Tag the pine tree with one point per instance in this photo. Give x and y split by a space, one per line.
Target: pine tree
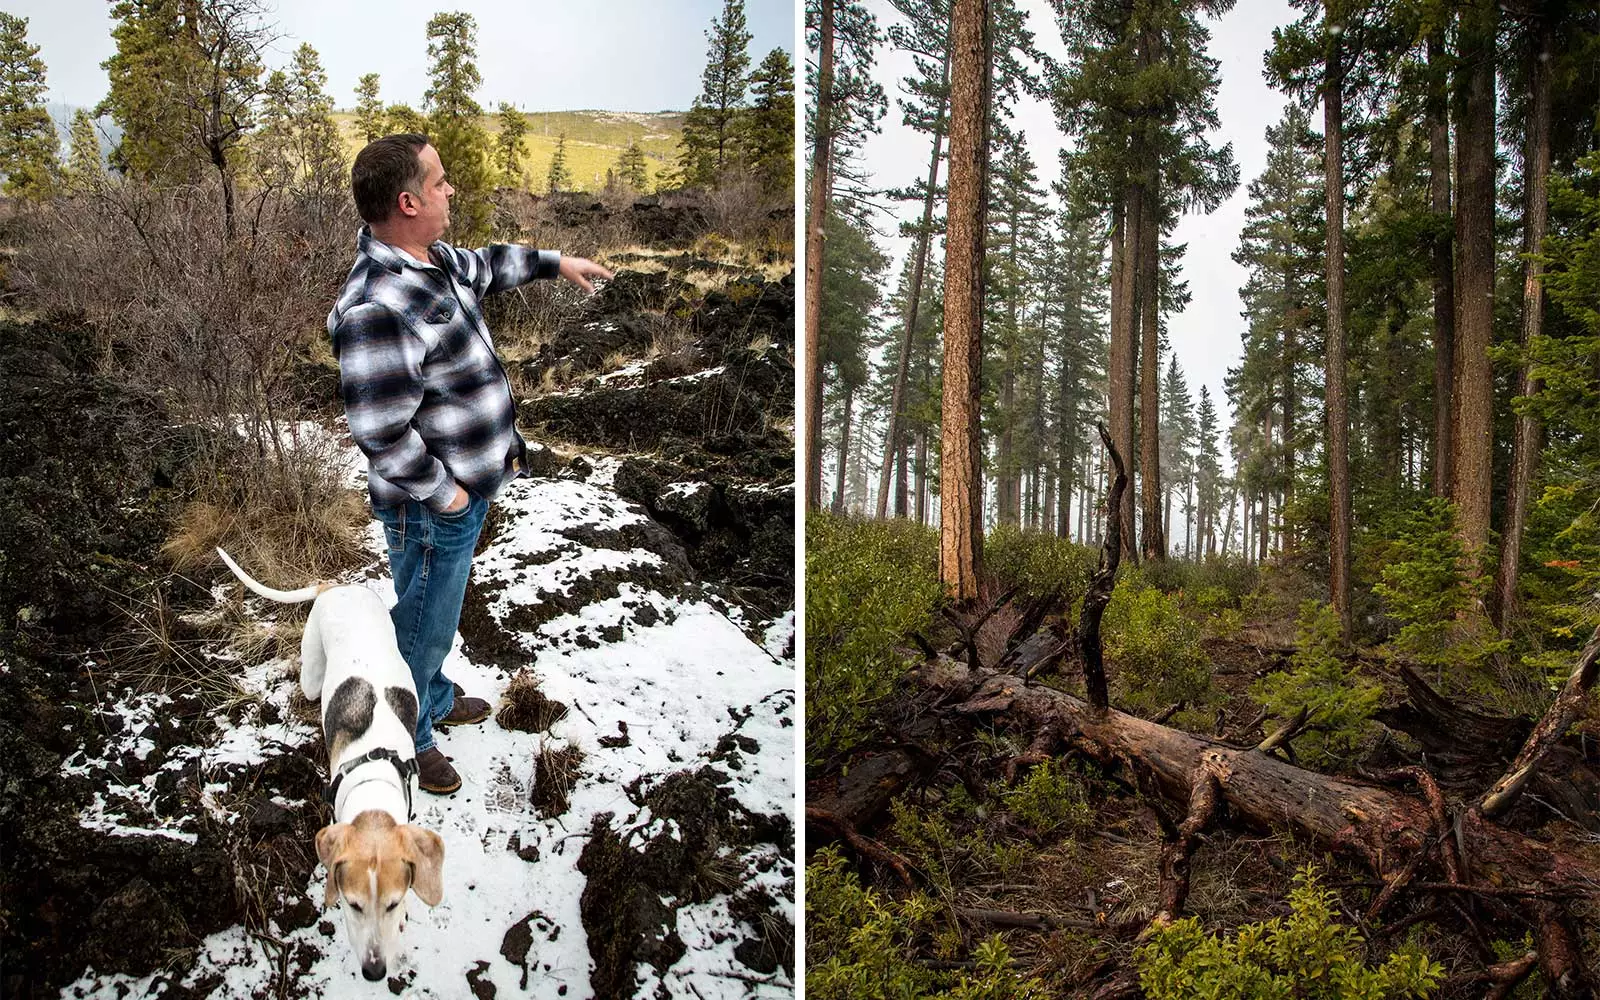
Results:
844 108
299 145
560 177
961 473
1208 475
709 130
631 169
768 134
184 84
1138 91
1177 443
403 118
371 121
86 168
28 142
508 144
453 123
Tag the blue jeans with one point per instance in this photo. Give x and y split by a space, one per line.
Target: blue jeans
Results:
430 556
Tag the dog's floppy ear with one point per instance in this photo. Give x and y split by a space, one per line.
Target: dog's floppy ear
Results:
330 844
425 853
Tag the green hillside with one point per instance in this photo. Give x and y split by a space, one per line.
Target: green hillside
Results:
594 141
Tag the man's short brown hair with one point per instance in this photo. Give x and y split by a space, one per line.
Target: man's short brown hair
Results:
383 169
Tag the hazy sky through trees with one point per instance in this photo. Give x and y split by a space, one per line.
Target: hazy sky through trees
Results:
1206 335
623 55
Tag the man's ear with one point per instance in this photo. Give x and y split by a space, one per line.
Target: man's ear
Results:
408 203
330 845
425 853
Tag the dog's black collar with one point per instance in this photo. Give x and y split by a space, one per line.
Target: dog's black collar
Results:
406 766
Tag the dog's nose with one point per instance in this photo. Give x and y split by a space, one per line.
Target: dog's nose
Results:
373 971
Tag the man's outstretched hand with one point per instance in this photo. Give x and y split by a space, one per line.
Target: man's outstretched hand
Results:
578 271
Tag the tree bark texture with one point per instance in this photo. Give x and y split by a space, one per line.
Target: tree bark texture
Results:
1475 191
817 210
1444 293
1152 537
961 466
1338 415
1526 441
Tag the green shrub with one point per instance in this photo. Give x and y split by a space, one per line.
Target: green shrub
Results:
1309 955
859 946
1153 647
1039 563
1426 588
867 586
1052 797
1339 701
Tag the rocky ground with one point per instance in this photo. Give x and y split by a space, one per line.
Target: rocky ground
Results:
632 837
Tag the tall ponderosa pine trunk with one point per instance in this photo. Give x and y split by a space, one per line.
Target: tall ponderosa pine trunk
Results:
821 164
961 466
1338 403
1474 377
1153 537
901 492
1444 293
844 449
1124 345
1291 398
896 432
1526 443
922 476
1007 478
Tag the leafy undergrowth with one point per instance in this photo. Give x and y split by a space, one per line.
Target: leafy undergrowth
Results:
1071 847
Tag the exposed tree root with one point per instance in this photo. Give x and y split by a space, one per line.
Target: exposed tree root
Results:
1026 921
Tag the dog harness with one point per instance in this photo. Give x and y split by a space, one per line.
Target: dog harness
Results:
406 768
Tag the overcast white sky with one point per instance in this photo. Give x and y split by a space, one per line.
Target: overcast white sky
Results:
622 55
1206 335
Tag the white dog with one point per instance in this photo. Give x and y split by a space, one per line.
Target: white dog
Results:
372 852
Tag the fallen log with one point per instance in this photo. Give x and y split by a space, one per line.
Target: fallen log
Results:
1382 827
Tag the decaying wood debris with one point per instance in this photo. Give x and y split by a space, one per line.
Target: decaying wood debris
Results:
1400 826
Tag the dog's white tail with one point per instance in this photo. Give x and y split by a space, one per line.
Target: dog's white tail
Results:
285 596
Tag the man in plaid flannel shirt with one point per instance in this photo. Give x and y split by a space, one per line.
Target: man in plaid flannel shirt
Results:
430 406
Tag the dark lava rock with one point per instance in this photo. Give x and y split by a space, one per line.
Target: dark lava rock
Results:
268 819
629 876
132 929
479 983
518 940
750 388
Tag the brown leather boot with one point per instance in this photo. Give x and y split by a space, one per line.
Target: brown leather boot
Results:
434 773
466 712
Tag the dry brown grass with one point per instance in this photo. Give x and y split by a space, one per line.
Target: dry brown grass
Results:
526 708
287 517
554 774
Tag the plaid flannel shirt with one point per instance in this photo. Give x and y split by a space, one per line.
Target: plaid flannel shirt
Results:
427 399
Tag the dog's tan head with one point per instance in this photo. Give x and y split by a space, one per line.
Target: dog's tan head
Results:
371 863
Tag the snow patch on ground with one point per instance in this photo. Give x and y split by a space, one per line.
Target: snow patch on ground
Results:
683 686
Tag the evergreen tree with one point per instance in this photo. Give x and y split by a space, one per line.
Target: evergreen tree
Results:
961 473
851 293
844 108
184 84
28 144
1138 92
1177 444
1208 475
371 121
768 136
631 169
709 130
454 125
508 144
299 145
403 118
560 177
85 169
